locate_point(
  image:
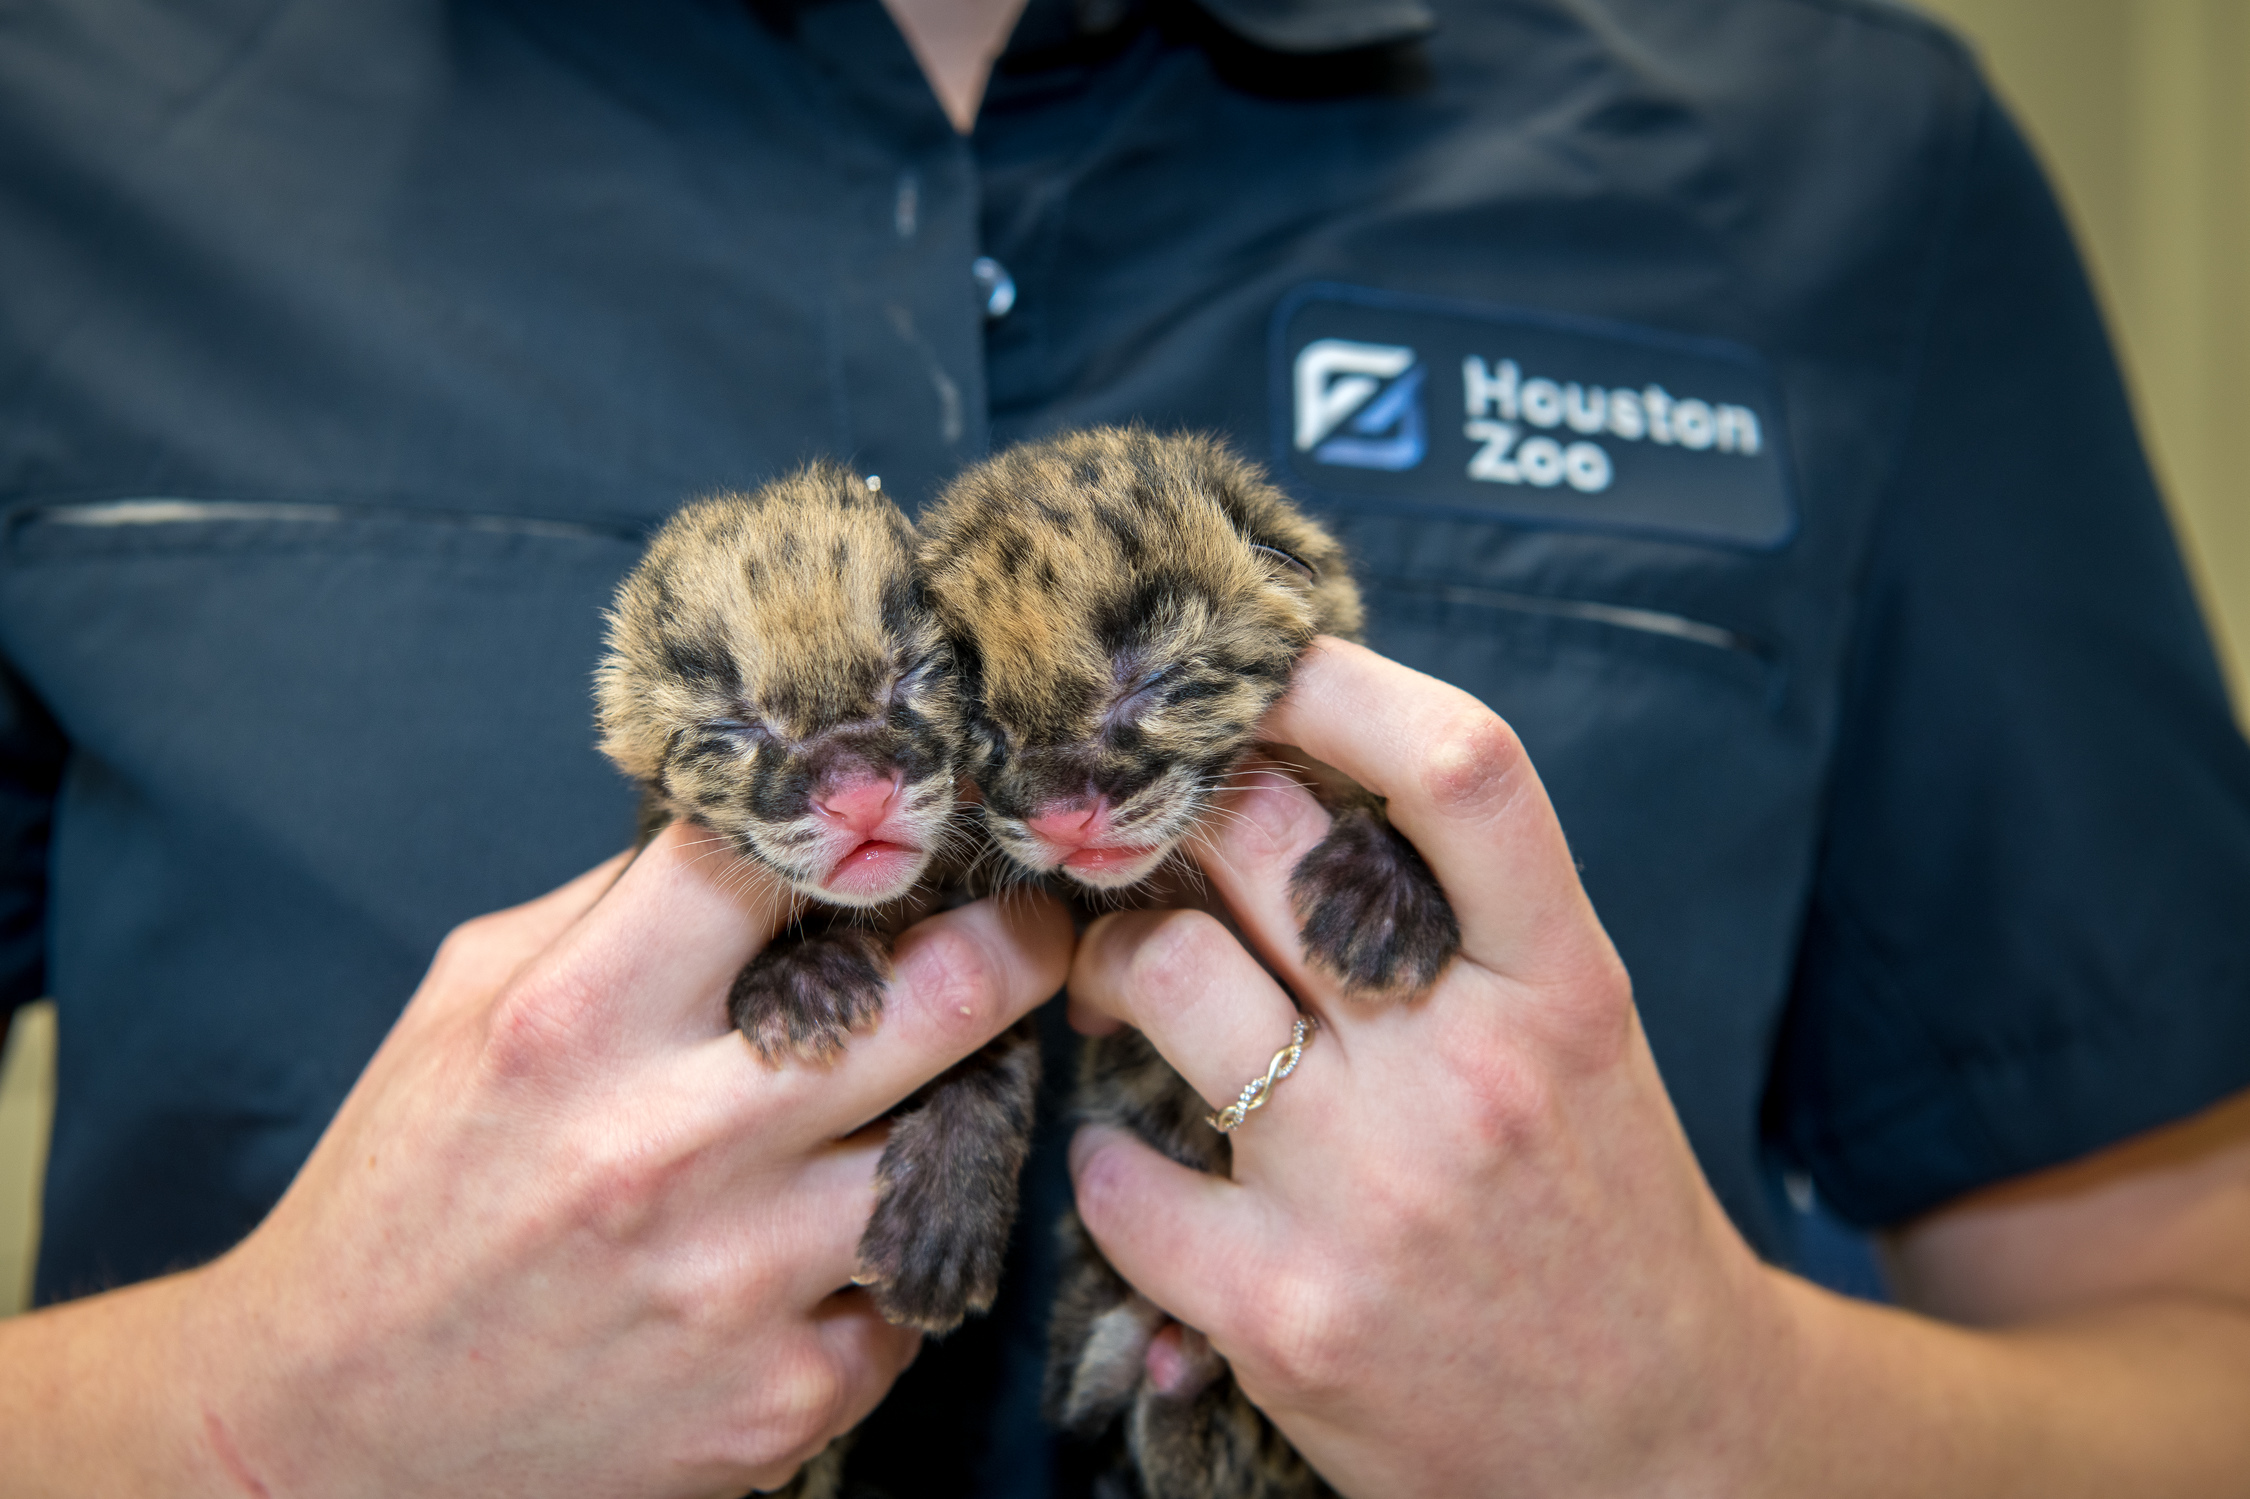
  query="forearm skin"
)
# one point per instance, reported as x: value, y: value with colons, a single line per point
x: 2148, y: 1396
x: 104, y: 1396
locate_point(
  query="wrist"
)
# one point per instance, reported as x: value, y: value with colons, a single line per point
x: 1876, y: 1400
x: 259, y: 1383
x: 102, y: 1395
x: 1733, y: 1408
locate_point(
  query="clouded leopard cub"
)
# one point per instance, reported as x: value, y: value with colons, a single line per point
x: 1125, y: 608
x: 775, y: 676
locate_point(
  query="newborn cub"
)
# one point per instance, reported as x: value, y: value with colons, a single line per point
x: 774, y: 676
x: 1125, y: 607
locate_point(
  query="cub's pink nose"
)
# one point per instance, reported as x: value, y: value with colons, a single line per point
x: 859, y: 803
x: 1072, y: 827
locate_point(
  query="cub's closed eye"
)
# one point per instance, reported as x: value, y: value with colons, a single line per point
x: 1290, y: 560
x: 741, y: 728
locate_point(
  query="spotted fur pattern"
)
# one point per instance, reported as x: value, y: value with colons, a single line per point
x: 772, y: 659
x: 768, y: 645
x: 1125, y: 608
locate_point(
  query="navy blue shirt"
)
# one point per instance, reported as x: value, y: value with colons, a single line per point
x: 1708, y: 385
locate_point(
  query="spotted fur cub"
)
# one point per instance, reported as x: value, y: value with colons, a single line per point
x: 774, y: 675
x: 1125, y: 608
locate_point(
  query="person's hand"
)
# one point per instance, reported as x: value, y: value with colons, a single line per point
x: 566, y: 1236
x: 1466, y: 1247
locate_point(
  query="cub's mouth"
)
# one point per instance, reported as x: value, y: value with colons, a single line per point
x: 867, y: 833
x: 874, y: 871
x: 1113, y: 868
x: 1095, y: 841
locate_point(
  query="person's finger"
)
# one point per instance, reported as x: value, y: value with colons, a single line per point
x: 1270, y: 823
x: 958, y: 979
x: 1185, y: 1240
x: 826, y: 1384
x: 1462, y: 790
x: 1180, y: 979
x: 821, y: 1220
x: 873, y: 1352
x: 652, y: 959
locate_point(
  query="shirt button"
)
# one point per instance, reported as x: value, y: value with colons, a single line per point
x: 998, y: 287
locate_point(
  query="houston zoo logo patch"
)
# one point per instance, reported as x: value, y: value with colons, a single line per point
x: 1536, y: 417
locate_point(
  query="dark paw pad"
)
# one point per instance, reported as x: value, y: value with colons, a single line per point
x: 805, y: 997
x: 1373, y: 914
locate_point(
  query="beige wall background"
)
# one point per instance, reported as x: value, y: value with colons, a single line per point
x: 27, y: 1100
x: 2142, y: 109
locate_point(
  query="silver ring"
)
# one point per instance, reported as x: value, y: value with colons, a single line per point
x: 1258, y: 1089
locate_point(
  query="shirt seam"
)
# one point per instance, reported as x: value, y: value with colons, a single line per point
x: 1945, y: 245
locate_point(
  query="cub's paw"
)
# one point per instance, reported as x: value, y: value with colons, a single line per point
x: 1097, y: 1338
x: 804, y: 997
x: 1373, y: 914
x: 946, y: 1188
x: 929, y: 1260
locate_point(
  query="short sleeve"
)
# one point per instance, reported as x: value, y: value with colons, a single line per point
x: 31, y: 759
x: 2029, y: 934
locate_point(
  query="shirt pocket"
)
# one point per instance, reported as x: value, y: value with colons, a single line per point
x: 1681, y: 748
x: 304, y: 742
x: 361, y: 692
x: 1666, y: 740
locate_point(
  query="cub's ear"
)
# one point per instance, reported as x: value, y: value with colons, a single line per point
x: 1289, y: 560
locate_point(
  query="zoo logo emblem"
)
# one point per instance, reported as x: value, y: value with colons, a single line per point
x: 1338, y: 380
x: 1527, y: 416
